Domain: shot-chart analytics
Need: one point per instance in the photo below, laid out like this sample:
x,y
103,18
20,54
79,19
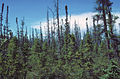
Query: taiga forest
x,y
58,49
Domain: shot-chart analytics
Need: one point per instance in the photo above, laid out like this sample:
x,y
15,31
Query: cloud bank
x,y
80,20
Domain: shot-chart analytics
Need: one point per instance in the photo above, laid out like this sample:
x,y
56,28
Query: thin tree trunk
x,y
105,26
1,18
7,23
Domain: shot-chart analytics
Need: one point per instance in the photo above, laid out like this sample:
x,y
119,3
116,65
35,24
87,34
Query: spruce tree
x,y
13,63
67,33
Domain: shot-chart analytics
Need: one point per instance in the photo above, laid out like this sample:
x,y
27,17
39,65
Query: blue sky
x,y
35,10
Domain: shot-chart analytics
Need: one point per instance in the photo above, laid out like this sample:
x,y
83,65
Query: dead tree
x,y
41,35
1,18
22,32
105,25
58,20
48,31
30,39
66,22
36,32
53,20
17,28
4,32
61,33
87,25
77,35
32,35
26,35
58,31
7,36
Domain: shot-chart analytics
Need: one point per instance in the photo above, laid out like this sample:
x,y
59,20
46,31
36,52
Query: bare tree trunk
x,y
4,32
22,32
67,24
32,36
1,18
41,35
87,25
48,28
7,23
59,45
105,26
62,36
36,33
26,35
17,28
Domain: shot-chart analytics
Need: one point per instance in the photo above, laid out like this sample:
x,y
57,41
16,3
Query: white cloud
x,y
117,21
80,20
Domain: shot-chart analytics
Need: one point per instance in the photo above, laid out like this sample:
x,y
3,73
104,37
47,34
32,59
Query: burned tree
x,y
4,31
36,32
17,28
61,34
22,32
26,35
67,33
7,36
66,22
48,28
41,35
58,20
102,9
77,35
1,18
33,35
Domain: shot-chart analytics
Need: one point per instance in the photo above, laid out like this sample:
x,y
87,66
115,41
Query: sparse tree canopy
x,y
61,54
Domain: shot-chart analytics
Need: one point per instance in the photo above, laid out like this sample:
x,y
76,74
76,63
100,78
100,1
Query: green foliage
x,y
12,60
36,46
78,58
